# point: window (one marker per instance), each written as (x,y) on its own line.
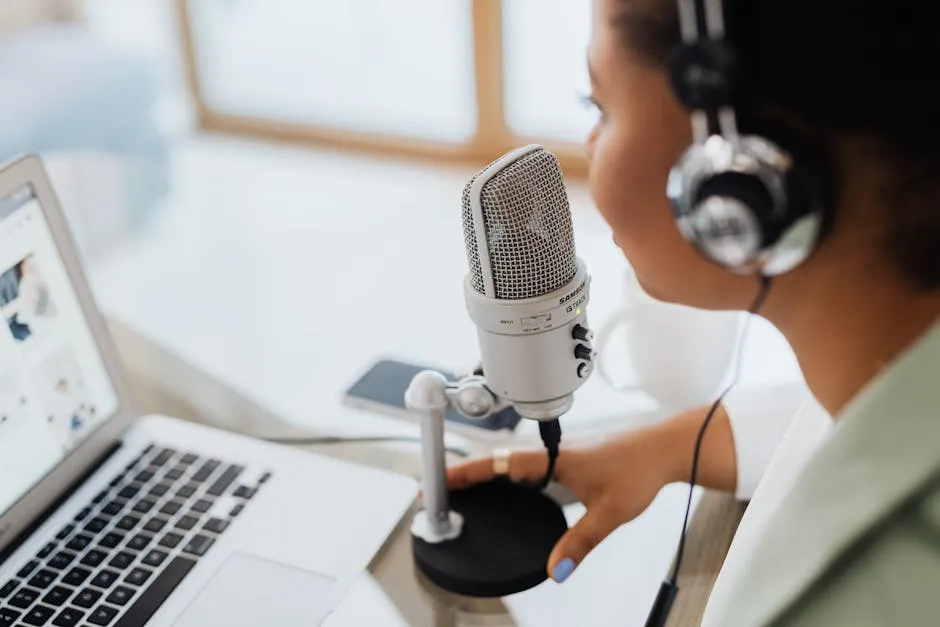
(544,46)
(461,79)
(362,66)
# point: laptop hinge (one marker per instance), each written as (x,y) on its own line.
(19,539)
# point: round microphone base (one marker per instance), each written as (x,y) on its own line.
(509,530)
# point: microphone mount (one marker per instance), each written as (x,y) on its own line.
(492,539)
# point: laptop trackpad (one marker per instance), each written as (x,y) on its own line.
(248,591)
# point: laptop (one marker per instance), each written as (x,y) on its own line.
(109,518)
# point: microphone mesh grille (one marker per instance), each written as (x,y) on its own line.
(527,221)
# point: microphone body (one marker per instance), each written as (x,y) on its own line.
(530,349)
(527,291)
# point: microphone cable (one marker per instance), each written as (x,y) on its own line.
(550,432)
(670,587)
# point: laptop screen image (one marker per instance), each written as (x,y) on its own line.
(54,388)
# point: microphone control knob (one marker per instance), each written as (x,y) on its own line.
(581,333)
(583,351)
(585,369)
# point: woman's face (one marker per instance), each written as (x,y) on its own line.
(642,131)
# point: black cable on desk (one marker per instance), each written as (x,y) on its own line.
(316,441)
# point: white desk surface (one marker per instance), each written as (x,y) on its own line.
(279,275)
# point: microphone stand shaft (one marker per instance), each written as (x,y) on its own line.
(434,477)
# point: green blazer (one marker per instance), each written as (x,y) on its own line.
(856,540)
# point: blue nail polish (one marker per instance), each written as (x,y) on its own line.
(563,569)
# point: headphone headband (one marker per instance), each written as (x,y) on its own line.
(704,70)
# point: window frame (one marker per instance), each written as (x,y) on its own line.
(492,138)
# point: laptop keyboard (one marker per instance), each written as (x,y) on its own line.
(125,553)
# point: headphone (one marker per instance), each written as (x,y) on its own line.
(748,203)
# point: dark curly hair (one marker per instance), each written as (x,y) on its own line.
(840,69)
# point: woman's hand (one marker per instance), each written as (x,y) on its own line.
(617,479)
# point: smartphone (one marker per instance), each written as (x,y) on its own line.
(382,390)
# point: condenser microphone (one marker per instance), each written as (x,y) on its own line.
(526,290)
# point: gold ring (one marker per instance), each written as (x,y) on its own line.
(501,462)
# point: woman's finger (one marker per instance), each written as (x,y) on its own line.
(523,466)
(574,546)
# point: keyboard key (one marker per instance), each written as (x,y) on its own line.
(202,506)
(223,482)
(122,560)
(189,458)
(76,576)
(39,615)
(186,523)
(155,525)
(103,615)
(114,507)
(128,492)
(9,587)
(8,616)
(79,542)
(237,510)
(170,507)
(156,593)
(120,595)
(64,533)
(162,457)
(94,557)
(96,524)
(82,515)
(46,550)
(87,597)
(105,579)
(187,491)
(199,545)
(57,596)
(160,489)
(143,476)
(138,576)
(170,540)
(117,480)
(69,617)
(206,470)
(143,506)
(216,525)
(174,474)
(154,557)
(43,579)
(61,560)
(244,492)
(23,598)
(139,542)
(147,450)
(101,496)
(264,478)
(28,569)
(127,523)
(111,540)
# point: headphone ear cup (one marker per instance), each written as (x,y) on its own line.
(746,205)
(750,192)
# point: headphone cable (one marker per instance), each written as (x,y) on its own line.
(670,587)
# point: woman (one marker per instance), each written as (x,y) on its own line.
(844,528)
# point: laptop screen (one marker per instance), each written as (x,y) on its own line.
(54,388)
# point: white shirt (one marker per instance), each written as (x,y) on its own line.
(776,429)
